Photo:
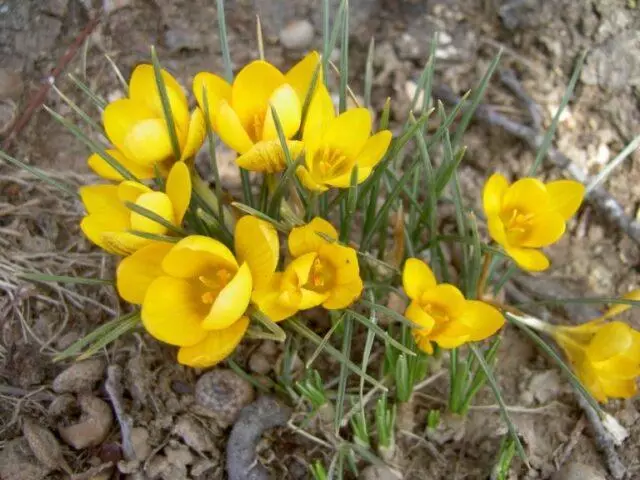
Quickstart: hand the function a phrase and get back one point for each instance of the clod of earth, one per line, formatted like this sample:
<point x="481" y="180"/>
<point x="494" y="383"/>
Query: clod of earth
<point x="263" y="414"/>
<point x="17" y="462"/>
<point x="94" y="425"/>
<point x="80" y="377"/>
<point x="224" y="394"/>
<point x="44" y="445"/>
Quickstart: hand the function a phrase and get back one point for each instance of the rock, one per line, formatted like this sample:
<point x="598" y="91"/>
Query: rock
<point x="94" y="424"/>
<point x="80" y="377"/>
<point x="140" y="443"/>
<point x="17" y="462"/>
<point x="578" y="471"/>
<point x="615" y="64"/>
<point x="379" y="472"/>
<point x="224" y="393"/>
<point x="297" y="35"/>
<point x="44" y="445"/>
<point x="193" y="434"/>
<point x="268" y="348"/>
<point x="62" y="405"/>
<point x="11" y="84"/>
<point x="259" y="363"/>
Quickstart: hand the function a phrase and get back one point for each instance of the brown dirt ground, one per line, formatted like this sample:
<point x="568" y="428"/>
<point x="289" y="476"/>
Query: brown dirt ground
<point x="541" y="41"/>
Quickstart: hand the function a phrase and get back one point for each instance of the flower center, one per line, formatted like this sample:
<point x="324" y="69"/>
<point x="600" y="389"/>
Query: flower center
<point x="256" y="125"/>
<point x="517" y="224"/>
<point x="212" y="284"/>
<point x="331" y="163"/>
<point x="437" y="312"/>
<point x="321" y="276"/>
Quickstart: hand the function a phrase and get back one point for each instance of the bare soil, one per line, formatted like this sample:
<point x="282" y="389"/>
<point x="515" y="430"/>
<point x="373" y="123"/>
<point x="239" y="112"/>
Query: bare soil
<point x="541" y="41"/>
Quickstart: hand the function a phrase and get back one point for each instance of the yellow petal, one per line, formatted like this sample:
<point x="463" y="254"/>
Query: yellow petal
<point x="309" y="182"/>
<point x="496" y="229"/>
<point x="98" y="198"/>
<point x="612" y="339"/>
<point x="143" y="88"/>
<point x="544" y="229"/>
<point x="301" y="74"/>
<point x="123" y="243"/>
<point x="195" y="136"/>
<point x="417" y="315"/>
<point x="299" y="269"/>
<point x="619" y="308"/>
<point x="349" y="132"/>
<point x="417" y="277"/>
<point x="528" y="258"/>
<point x="136" y="272"/>
<point x="451" y="335"/>
<point x="95" y="225"/>
<point x="178" y="190"/>
<point x="120" y="116"/>
<point x="320" y="114"/>
<point x="232" y="301"/>
<point x="268" y="300"/>
<point x="619" y="388"/>
<point x="306" y="239"/>
<point x="217" y="89"/>
<point x="268" y="157"/>
<point x="197" y="255"/>
<point x="256" y="243"/>
<point x="287" y="106"/>
<point x="158" y="203"/>
<point x="344" y="261"/>
<point x="251" y="91"/>
<point x="172" y="311"/>
<point x="566" y="196"/>
<point x="374" y="149"/>
<point x="102" y="168"/>
<point x="344" y="181"/>
<point x="130" y="191"/>
<point x="343" y="295"/>
<point x="493" y="194"/>
<point x="216" y="346"/>
<point x="230" y="129"/>
<point x="482" y="319"/>
<point x="148" y="142"/>
<point x="526" y="195"/>
<point x="423" y="342"/>
<point x="445" y="299"/>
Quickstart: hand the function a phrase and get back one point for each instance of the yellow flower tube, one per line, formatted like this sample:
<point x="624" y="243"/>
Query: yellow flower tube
<point x="528" y="215"/>
<point x="441" y="312"/>
<point x="109" y="220"/>
<point x="137" y="128"/>
<point x="241" y="113"/>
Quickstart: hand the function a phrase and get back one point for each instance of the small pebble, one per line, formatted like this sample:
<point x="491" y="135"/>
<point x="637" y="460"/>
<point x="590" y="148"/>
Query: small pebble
<point x="297" y="35"/>
<point x="80" y="377"/>
<point x="224" y="393"/>
<point x="44" y="445"/>
<point x="140" y="443"/>
<point x="193" y="434"/>
<point x="94" y="424"/>
<point x="17" y="462"/>
<point x="259" y="363"/>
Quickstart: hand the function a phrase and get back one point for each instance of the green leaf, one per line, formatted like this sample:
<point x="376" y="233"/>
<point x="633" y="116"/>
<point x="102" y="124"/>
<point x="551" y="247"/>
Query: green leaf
<point x="347" y="338"/>
<point x="368" y="73"/>
<point x="263" y="216"/>
<point x="97" y="100"/>
<point x="166" y="105"/>
<point x="374" y="328"/>
<point x="36" y="172"/>
<point x="145" y="212"/>
<point x="392" y="313"/>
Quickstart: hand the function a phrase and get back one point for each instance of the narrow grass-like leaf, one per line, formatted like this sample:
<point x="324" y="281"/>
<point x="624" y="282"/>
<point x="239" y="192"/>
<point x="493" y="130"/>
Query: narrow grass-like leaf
<point x="581" y="301"/>
<point x="270" y="325"/>
<point x="347" y="338"/>
<point x="111" y="336"/>
<point x="549" y="134"/>
<point x="119" y="76"/>
<point x="97" y="100"/>
<point x="320" y="347"/>
<point x="36" y="172"/>
<point x="338" y="24"/>
<point x="304" y="331"/>
<point x="380" y="332"/>
<point x="260" y="385"/>
<point x="46" y="278"/>
<point x="86" y="118"/>
<point x="386" y="113"/>
<point x="291" y="166"/>
<point x="263" y="216"/>
<point x="350" y="207"/>
<point x="326" y="37"/>
<point x="224" y="41"/>
<point x="476" y="98"/>
<point x="503" y="407"/>
<point x="145" y="212"/>
<point x="368" y="73"/>
<point x="215" y="226"/>
<point x="390" y="312"/>
<point x="609" y="167"/>
<point x="447" y="171"/>
<point x="93" y="146"/>
<point x="154" y="236"/>
<point x="344" y="60"/>
<point x="166" y="105"/>
<point x="479" y="377"/>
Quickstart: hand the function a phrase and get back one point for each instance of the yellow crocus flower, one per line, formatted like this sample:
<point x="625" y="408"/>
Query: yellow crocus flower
<point x="604" y="355"/>
<point x="109" y="220"/>
<point x="335" y="145"/>
<point x="241" y="113"/>
<point x="528" y="215"/>
<point x="441" y="312"/>
<point x="137" y="128"/>
<point x="320" y="273"/>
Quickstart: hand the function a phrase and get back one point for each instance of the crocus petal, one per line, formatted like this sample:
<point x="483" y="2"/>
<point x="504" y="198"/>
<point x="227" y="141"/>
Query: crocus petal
<point x="158" y="203"/>
<point x="343" y="295"/>
<point x="344" y="181"/>
<point x="136" y="272"/>
<point x="417" y="315"/>
<point x="301" y="74"/>
<point x="268" y="157"/>
<point x="451" y="335"/>
<point x="374" y="149"/>
<point x="195" y="136"/>
<point x="527" y="195"/>
<point x="216" y="346"/>
<point x="344" y="261"/>
<point x="320" y="114"/>
<point x="232" y="301"/>
<point x="528" y="258"/>
<point x="173" y="310"/>
<point x="544" y="230"/>
<point x="268" y="302"/>
<point x="482" y="319"/>
<point x="496" y="229"/>
<point x="287" y="106"/>
<point x="120" y="116"/>
<point x="423" y="342"/>
<point x="102" y="168"/>
<point x="619" y="388"/>
<point x="256" y="243"/>
<point x="251" y="91"/>
<point x="306" y="239"/>
<point x="95" y="225"/>
<point x="196" y="255"/>
<point x="230" y="129"/>
<point x="493" y="193"/>
<point x="148" y="142"/>
<point x="349" y="132"/>
<point x="123" y="243"/>
<point x="308" y="181"/>
<point x="178" y="190"/>
<point x="130" y="191"/>
<point x="98" y="198"/>
<point x="566" y="196"/>
<point x="217" y="89"/>
<point x="610" y="340"/>
<point x="417" y="277"/>
<point x="619" y="308"/>
<point x="143" y="88"/>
